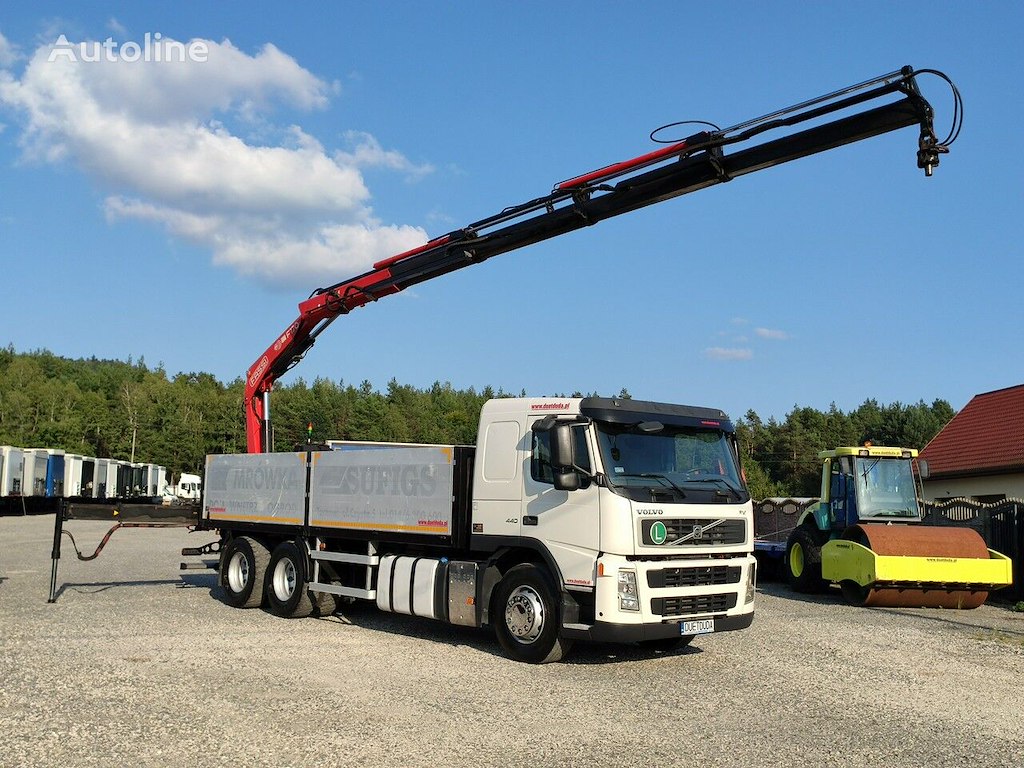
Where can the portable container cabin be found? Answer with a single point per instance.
(99, 478)
(54, 473)
(72, 475)
(12, 469)
(35, 471)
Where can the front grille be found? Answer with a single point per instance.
(701, 532)
(685, 606)
(702, 576)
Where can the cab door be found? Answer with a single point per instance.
(566, 523)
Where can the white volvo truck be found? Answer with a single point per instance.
(571, 519)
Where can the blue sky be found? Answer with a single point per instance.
(179, 212)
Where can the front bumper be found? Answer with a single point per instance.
(607, 632)
(665, 593)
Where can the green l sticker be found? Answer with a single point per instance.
(658, 532)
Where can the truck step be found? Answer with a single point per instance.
(345, 557)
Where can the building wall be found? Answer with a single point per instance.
(1010, 486)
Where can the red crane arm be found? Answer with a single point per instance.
(685, 166)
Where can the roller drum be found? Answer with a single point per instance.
(916, 541)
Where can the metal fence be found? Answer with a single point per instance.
(775, 519)
(1001, 525)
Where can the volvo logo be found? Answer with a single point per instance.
(697, 532)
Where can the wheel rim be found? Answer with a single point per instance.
(524, 614)
(285, 578)
(796, 559)
(238, 572)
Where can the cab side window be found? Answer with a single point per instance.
(540, 457)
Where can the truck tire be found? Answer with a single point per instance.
(525, 616)
(243, 568)
(803, 562)
(287, 590)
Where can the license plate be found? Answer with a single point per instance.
(697, 627)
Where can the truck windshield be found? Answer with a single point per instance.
(673, 463)
(885, 488)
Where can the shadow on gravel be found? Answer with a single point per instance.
(782, 590)
(369, 617)
(200, 581)
(94, 587)
(189, 581)
(948, 616)
(588, 654)
(483, 640)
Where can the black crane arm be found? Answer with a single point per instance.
(697, 162)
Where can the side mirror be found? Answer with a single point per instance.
(566, 481)
(563, 460)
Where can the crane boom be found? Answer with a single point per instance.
(678, 168)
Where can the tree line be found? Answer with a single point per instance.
(127, 410)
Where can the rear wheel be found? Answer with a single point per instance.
(803, 562)
(526, 616)
(288, 595)
(243, 568)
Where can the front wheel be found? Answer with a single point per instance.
(803, 562)
(526, 617)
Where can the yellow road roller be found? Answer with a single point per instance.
(865, 534)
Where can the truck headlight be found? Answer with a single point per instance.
(629, 600)
(751, 583)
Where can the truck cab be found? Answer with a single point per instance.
(637, 510)
(188, 488)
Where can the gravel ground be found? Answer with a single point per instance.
(138, 663)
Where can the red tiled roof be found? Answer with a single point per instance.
(987, 435)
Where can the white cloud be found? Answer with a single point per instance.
(116, 27)
(728, 353)
(8, 53)
(327, 255)
(156, 133)
(368, 153)
(771, 333)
